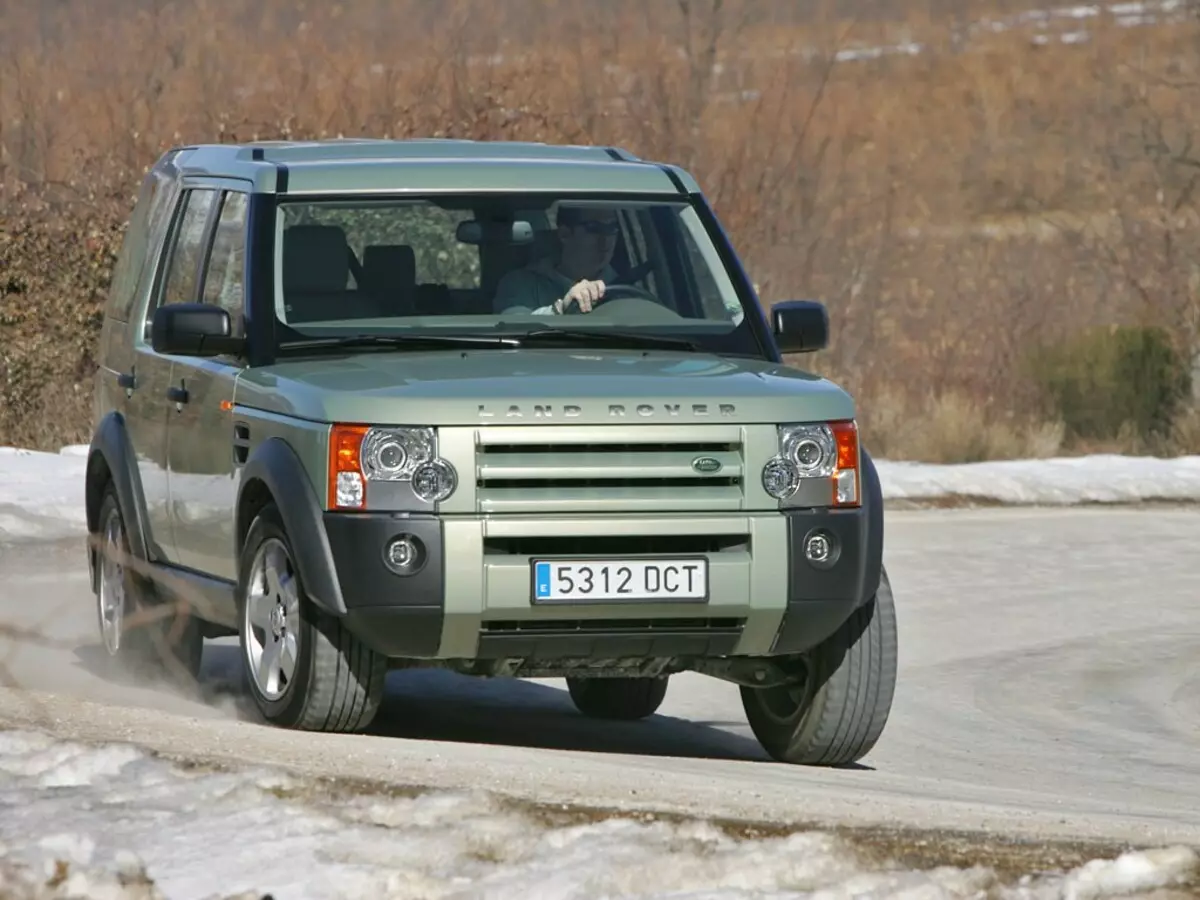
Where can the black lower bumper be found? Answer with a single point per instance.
(823, 592)
(401, 615)
(397, 614)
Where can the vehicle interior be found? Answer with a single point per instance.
(326, 278)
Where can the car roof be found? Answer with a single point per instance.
(370, 166)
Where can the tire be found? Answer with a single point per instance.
(332, 682)
(617, 698)
(839, 712)
(138, 635)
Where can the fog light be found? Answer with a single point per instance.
(817, 549)
(821, 549)
(403, 554)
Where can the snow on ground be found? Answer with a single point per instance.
(41, 494)
(1101, 478)
(88, 818)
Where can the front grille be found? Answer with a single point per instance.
(609, 639)
(617, 546)
(609, 469)
(725, 625)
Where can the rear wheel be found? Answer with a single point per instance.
(617, 698)
(837, 713)
(304, 669)
(140, 634)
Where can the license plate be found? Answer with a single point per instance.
(614, 580)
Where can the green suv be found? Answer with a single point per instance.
(509, 409)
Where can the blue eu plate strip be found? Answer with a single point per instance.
(541, 580)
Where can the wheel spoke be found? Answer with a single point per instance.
(268, 666)
(288, 594)
(287, 656)
(260, 613)
(274, 589)
(276, 566)
(291, 620)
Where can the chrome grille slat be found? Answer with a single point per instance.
(557, 469)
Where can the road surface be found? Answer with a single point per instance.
(1049, 686)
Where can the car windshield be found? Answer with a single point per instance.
(503, 266)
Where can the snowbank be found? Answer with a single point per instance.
(1048, 482)
(41, 494)
(100, 816)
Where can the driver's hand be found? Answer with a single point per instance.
(583, 294)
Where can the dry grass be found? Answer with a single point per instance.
(954, 209)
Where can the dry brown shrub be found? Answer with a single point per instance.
(954, 208)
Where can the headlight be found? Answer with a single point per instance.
(394, 454)
(362, 455)
(815, 453)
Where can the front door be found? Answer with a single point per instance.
(202, 472)
(154, 401)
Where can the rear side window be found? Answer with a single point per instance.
(133, 253)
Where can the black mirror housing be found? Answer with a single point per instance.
(800, 326)
(193, 329)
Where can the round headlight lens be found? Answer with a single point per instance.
(780, 478)
(392, 455)
(812, 449)
(434, 481)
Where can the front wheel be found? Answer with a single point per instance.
(837, 713)
(304, 668)
(617, 698)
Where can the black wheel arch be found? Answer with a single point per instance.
(274, 474)
(111, 459)
(873, 501)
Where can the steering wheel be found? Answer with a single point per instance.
(625, 292)
(631, 304)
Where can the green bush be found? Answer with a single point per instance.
(1110, 381)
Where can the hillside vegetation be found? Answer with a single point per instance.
(1006, 232)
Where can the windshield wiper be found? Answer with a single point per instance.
(609, 338)
(397, 340)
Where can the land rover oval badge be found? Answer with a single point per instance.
(706, 464)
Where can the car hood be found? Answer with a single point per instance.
(541, 386)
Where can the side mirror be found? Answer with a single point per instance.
(193, 329)
(800, 326)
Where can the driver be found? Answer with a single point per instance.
(574, 277)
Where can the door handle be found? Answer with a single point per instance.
(177, 394)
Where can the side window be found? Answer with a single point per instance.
(635, 225)
(224, 279)
(132, 253)
(179, 284)
(710, 294)
(139, 251)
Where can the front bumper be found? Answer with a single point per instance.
(471, 598)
